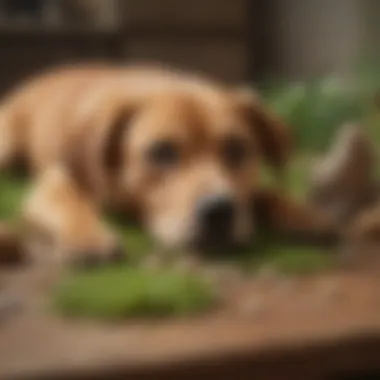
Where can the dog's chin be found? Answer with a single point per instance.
(221, 244)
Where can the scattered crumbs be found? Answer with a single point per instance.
(287, 285)
(252, 307)
(225, 276)
(330, 290)
(10, 305)
(154, 261)
(267, 273)
(188, 264)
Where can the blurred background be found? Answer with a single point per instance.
(315, 60)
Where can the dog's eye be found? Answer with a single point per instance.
(163, 154)
(235, 152)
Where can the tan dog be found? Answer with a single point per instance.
(179, 152)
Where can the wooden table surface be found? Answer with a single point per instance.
(304, 328)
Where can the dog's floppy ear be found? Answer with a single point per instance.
(111, 150)
(273, 135)
(95, 153)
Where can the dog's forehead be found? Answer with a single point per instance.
(200, 113)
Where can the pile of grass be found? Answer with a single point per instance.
(119, 292)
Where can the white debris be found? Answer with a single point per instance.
(267, 273)
(188, 264)
(252, 307)
(225, 276)
(10, 305)
(153, 262)
(331, 290)
(287, 285)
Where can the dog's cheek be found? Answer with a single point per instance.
(170, 211)
(167, 219)
(139, 184)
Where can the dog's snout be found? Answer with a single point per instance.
(216, 215)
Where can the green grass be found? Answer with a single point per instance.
(292, 260)
(137, 244)
(119, 292)
(12, 190)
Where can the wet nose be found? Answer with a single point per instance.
(216, 214)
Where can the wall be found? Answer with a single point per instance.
(318, 36)
(204, 35)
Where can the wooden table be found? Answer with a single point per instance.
(297, 333)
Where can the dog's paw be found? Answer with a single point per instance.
(98, 249)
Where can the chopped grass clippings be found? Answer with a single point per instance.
(121, 292)
(295, 260)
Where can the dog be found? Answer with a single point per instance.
(179, 152)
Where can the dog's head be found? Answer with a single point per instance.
(188, 158)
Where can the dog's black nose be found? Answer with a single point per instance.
(215, 215)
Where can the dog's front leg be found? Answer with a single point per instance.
(294, 220)
(63, 221)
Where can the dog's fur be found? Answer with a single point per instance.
(88, 135)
